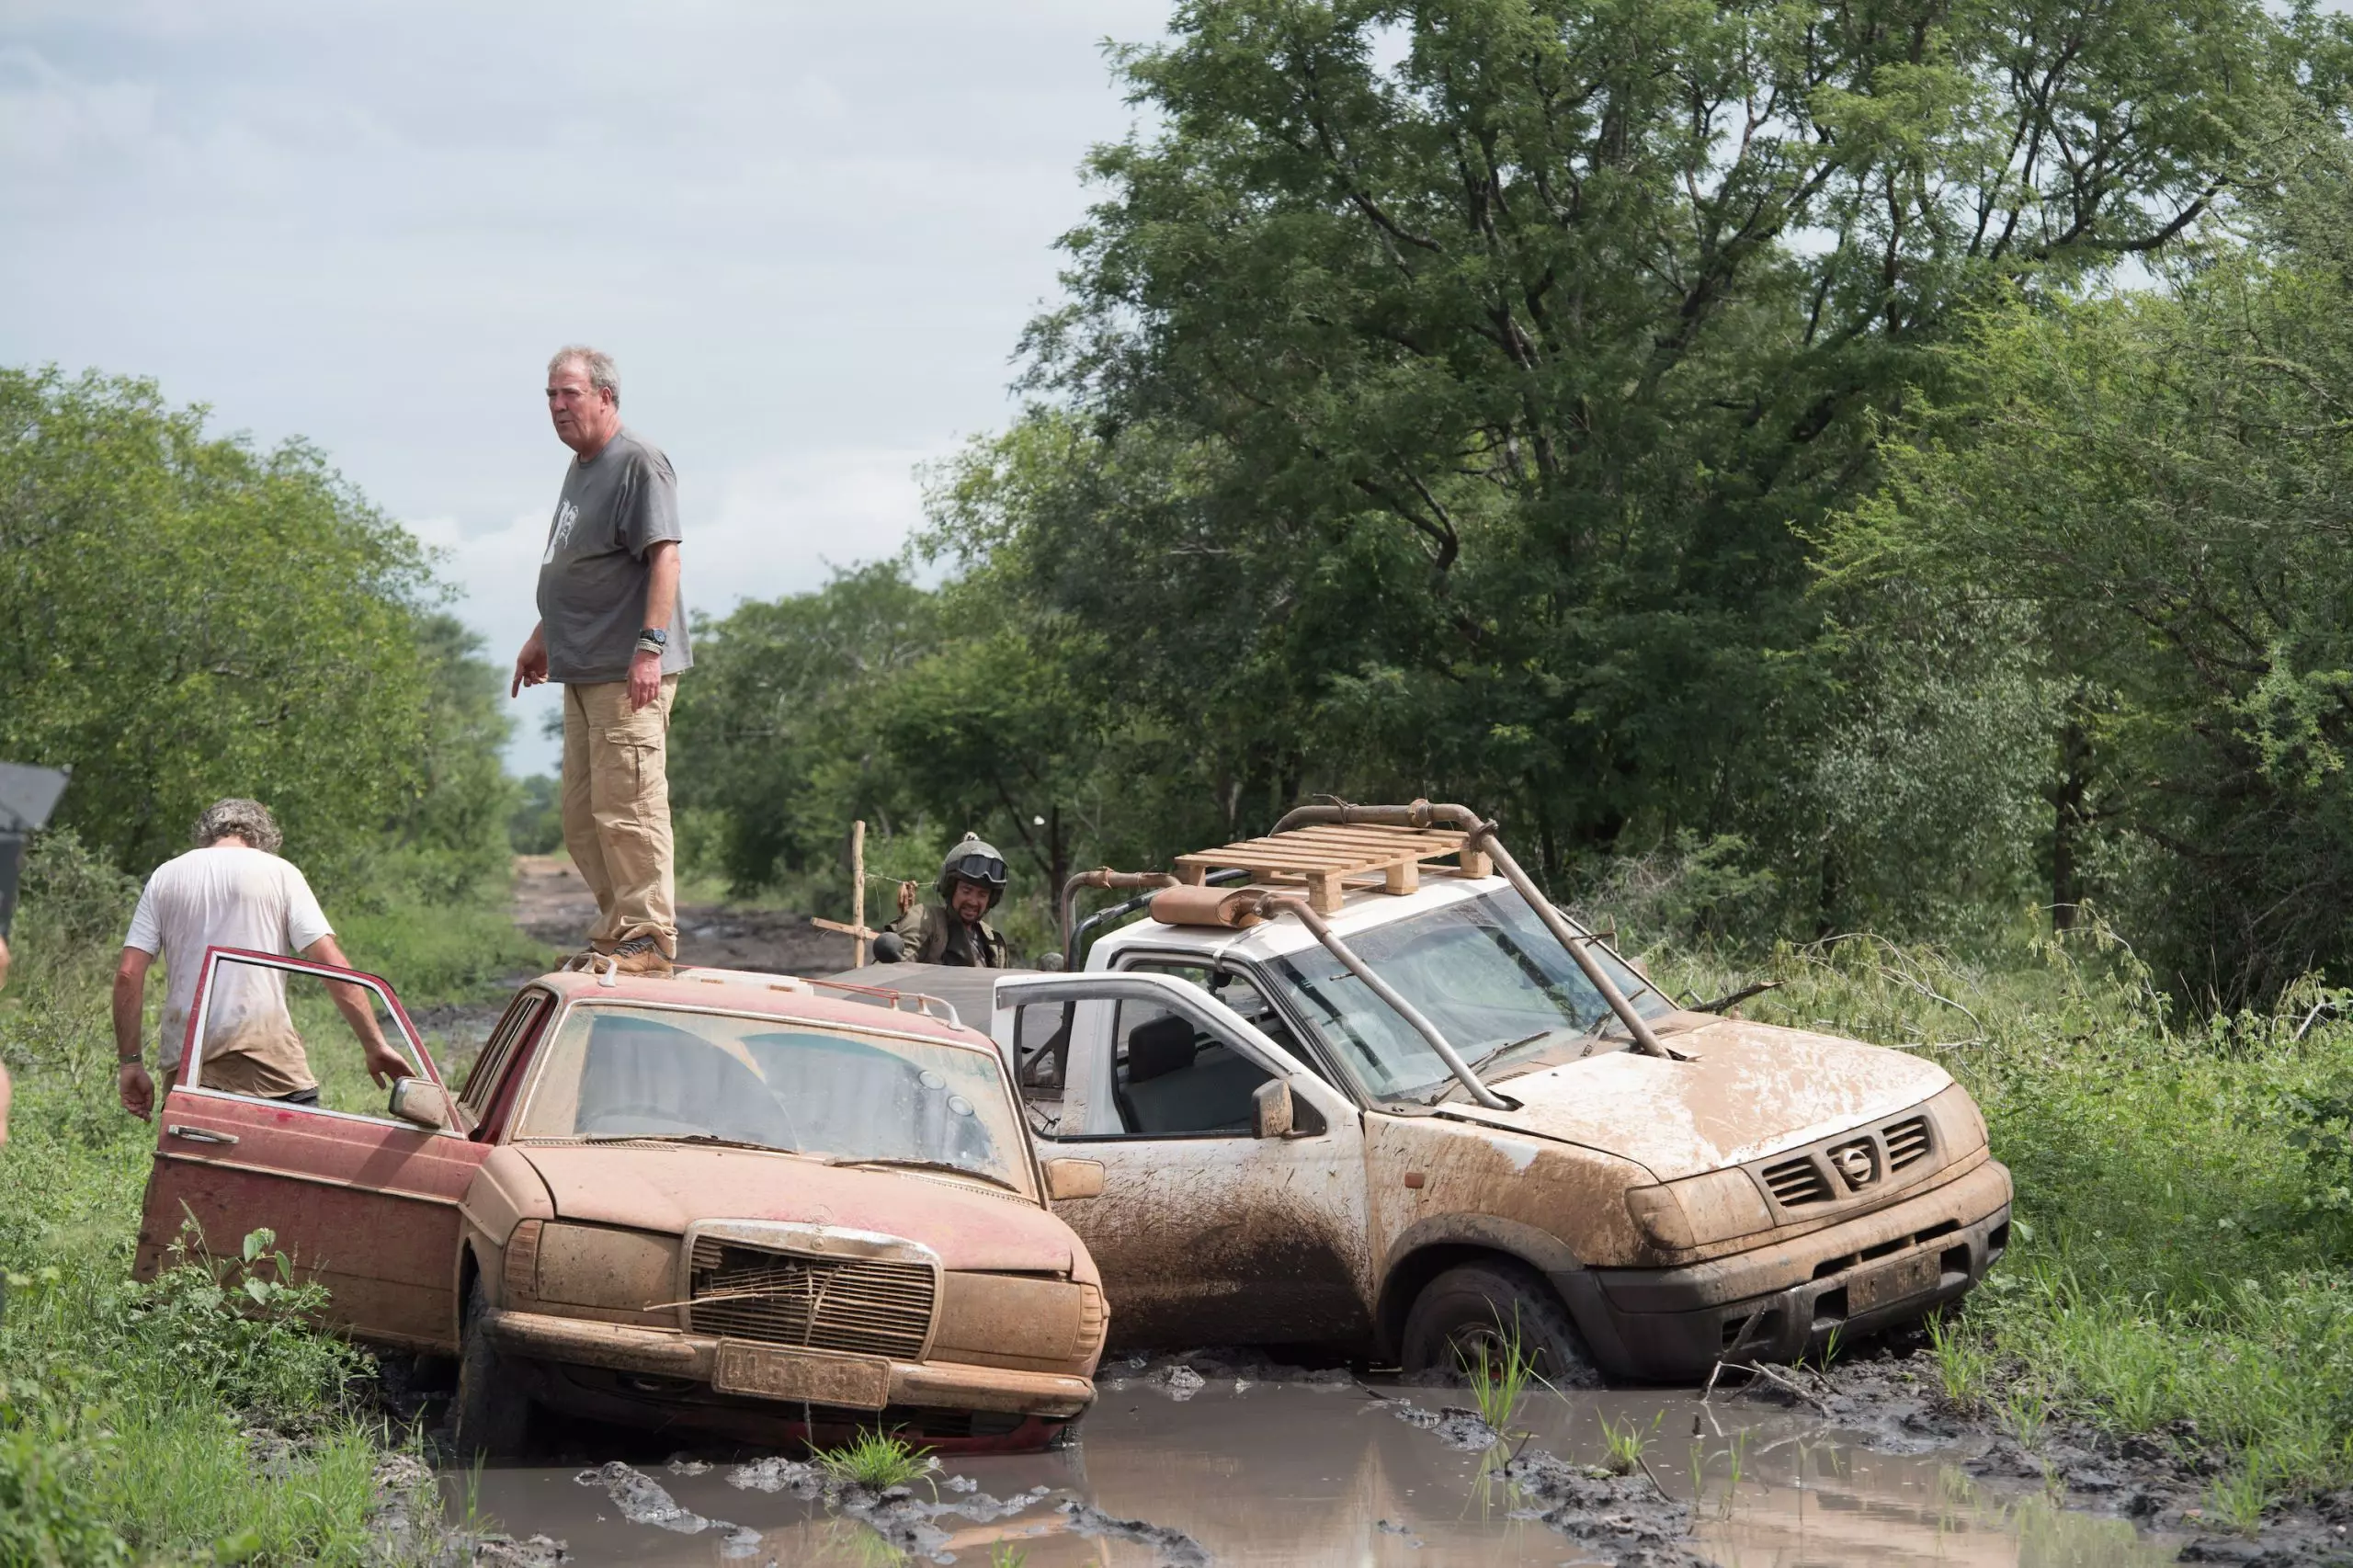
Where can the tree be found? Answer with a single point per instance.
(1453, 385)
(2159, 482)
(776, 732)
(184, 618)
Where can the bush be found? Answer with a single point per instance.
(2185, 1191)
(536, 824)
(49, 1514)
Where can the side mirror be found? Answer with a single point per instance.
(1073, 1179)
(421, 1103)
(890, 947)
(1271, 1112)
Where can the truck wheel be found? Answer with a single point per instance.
(1490, 1305)
(491, 1416)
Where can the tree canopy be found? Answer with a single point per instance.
(183, 617)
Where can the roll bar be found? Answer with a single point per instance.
(1291, 903)
(1480, 834)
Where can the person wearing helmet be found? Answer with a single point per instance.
(956, 929)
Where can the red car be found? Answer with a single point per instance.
(751, 1204)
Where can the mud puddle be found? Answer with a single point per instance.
(1299, 1474)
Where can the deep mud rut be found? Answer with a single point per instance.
(1208, 1459)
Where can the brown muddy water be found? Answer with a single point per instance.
(1285, 1473)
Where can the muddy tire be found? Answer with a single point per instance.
(492, 1415)
(1479, 1303)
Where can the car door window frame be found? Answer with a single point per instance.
(1310, 1050)
(504, 1058)
(191, 1046)
(1110, 987)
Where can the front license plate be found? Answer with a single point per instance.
(1914, 1276)
(821, 1377)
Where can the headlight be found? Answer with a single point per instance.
(1028, 1321)
(592, 1266)
(1697, 1211)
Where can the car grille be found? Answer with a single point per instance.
(864, 1305)
(1798, 1181)
(1855, 1167)
(1907, 1142)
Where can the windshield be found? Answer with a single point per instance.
(628, 1071)
(1484, 969)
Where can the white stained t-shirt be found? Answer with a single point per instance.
(225, 896)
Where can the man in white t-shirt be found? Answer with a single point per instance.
(232, 891)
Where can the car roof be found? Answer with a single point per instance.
(972, 991)
(851, 1004)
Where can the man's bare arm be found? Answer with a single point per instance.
(137, 1089)
(384, 1063)
(661, 604)
(661, 581)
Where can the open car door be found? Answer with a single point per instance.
(364, 1201)
(1206, 1231)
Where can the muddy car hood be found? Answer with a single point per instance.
(668, 1189)
(1752, 1090)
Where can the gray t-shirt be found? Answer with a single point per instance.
(593, 577)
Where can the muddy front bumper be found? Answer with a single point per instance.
(1774, 1302)
(668, 1367)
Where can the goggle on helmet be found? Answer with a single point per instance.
(976, 861)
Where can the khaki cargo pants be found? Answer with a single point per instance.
(617, 810)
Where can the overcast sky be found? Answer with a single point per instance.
(810, 232)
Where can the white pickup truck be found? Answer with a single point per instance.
(1385, 1098)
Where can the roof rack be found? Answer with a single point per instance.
(1328, 858)
(897, 1001)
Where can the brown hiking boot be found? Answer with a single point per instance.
(639, 955)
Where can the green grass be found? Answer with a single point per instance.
(1623, 1447)
(875, 1461)
(1501, 1369)
(433, 954)
(198, 1418)
(2185, 1193)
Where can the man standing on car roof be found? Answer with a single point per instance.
(233, 891)
(613, 631)
(955, 930)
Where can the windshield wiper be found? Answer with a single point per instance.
(917, 1164)
(1490, 1056)
(712, 1138)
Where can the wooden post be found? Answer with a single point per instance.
(857, 887)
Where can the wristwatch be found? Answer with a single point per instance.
(653, 639)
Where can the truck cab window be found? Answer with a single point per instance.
(1236, 992)
(1172, 1079)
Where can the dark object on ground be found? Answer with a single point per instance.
(27, 797)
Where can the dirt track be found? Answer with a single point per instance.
(554, 905)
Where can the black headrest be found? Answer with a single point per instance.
(1159, 1048)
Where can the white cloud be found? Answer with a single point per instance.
(812, 232)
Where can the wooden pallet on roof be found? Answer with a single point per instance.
(1326, 857)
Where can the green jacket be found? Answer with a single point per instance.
(931, 935)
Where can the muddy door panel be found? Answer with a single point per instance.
(1205, 1234)
(370, 1208)
(1227, 1241)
